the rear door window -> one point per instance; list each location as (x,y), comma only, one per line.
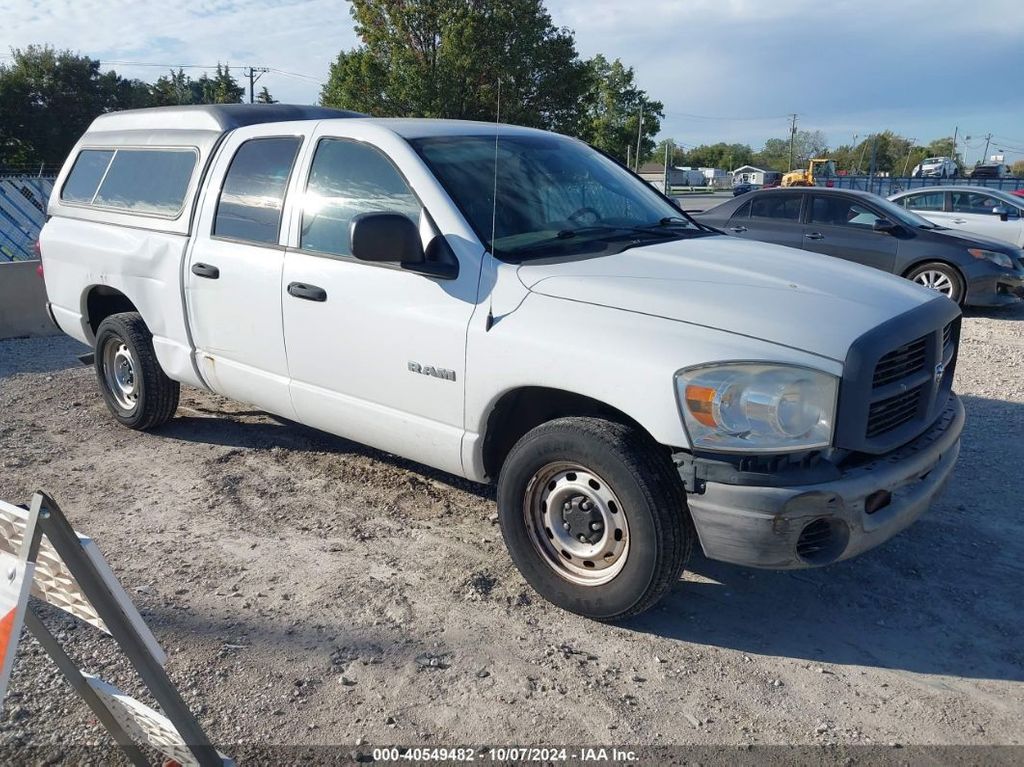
(252,198)
(975,202)
(928,201)
(783,207)
(841,211)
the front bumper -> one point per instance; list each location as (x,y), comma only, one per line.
(816,524)
(999,289)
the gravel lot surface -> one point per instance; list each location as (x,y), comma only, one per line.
(312,591)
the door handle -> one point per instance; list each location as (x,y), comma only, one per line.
(959,220)
(815,236)
(738,229)
(308,292)
(205,270)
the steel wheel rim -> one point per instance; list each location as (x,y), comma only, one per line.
(119,373)
(565,502)
(936,280)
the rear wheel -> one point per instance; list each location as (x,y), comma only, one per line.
(137,391)
(594,516)
(940,277)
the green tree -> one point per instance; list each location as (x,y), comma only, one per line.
(613,109)
(1018,169)
(445,58)
(264,97)
(49,97)
(806,145)
(720,155)
(173,89)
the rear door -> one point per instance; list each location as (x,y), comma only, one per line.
(843,227)
(973,212)
(233,279)
(930,204)
(771,218)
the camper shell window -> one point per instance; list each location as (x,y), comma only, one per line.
(147,181)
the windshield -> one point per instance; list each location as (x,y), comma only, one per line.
(555,196)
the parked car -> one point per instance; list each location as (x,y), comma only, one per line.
(862,227)
(506,304)
(991,170)
(935,167)
(989,212)
(743,187)
(1018,192)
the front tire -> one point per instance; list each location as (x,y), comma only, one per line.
(137,391)
(940,277)
(594,516)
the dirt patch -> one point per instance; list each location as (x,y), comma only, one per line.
(312,591)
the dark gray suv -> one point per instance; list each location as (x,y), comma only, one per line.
(870,230)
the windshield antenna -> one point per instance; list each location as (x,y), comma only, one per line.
(494,210)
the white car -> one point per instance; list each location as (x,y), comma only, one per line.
(509,305)
(935,167)
(974,209)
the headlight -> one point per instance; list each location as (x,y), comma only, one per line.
(999,259)
(740,407)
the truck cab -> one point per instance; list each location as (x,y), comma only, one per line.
(511,306)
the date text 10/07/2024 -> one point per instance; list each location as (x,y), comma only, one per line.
(502,754)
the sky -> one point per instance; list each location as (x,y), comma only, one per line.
(726,70)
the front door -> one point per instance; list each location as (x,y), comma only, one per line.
(233,279)
(843,227)
(973,212)
(375,352)
(771,218)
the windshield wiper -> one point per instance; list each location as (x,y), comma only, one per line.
(568,234)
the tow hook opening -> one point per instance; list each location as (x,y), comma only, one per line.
(822,541)
(876,501)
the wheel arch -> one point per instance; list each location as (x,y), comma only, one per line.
(518,410)
(101,301)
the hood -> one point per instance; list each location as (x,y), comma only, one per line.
(951,236)
(781,295)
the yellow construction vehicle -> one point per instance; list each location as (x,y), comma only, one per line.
(817,168)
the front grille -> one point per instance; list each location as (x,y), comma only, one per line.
(901,362)
(897,378)
(892,412)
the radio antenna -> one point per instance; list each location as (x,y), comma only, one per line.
(494,211)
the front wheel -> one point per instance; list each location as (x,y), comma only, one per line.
(940,277)
(594,516)
(137,391)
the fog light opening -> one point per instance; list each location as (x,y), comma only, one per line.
(822,541)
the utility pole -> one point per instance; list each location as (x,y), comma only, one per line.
(639,135)
(792,139)
(668,145)
(629,155)
(254,74)
(988,140)
(956,130)
(910,150)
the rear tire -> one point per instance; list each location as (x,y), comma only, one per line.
(941,277)
(616,535)
(137,391)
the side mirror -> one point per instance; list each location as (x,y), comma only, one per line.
(1002,211)
(391,238)
(885,225)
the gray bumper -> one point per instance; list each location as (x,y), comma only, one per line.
(765,526)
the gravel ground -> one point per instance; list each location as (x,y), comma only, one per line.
(312,591)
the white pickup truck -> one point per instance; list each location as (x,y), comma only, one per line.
(509,305)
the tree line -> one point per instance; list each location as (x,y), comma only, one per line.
(884,152)
(49,97)
(460,59)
